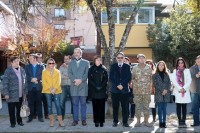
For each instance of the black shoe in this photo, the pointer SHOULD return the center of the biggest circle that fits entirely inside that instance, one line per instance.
(74, 123)
(164, 125)
(12, 125)
(160, 125)
(101, 124)
(34, 116)
(194, 125)
(96, 124)
(114, 124)
(84, 123)
(125, 125)
(29, 120)
(40, 120)
(21, 124)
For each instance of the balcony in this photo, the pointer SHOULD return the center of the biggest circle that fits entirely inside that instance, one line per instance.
(59, 18)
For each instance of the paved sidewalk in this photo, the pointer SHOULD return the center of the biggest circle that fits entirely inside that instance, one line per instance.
(37, 127)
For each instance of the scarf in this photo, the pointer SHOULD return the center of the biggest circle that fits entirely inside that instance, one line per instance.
(180, 78)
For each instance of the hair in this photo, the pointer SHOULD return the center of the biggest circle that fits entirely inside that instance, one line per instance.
(68, 56)
(151, 63)
(95, 58)
(127, 58)
(180, 58)
(12, 58)
(50, 59)
(120, 53)
(198, 57)
(165, 67)
(79, 50)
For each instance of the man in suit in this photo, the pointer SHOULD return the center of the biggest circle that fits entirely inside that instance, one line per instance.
(34, 75)
(78, 73)
(120, 76)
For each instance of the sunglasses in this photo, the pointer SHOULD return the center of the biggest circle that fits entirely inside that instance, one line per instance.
(120, 57)
(51, 63)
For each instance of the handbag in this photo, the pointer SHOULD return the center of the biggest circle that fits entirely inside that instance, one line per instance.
(25, 110)
(152, 103)
(0, 101)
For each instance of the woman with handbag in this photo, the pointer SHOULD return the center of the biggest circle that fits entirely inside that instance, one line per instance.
(97, 82)
(181, 79)
(51, 82)
(14, 89)
(162, 84)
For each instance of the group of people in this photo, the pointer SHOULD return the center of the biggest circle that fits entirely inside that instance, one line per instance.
(75, 78)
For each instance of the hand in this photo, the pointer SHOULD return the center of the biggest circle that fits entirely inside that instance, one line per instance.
(34, 80)
(53, 91)
(164, 92)
(77, 82)
(199, 73)
(120, 87)
(6, 97)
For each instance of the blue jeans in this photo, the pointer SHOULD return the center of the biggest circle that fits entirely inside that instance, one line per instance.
(196, 105)
(56, 99)
(192, 97)
(64, 94)
(75, 102)
(162, 111)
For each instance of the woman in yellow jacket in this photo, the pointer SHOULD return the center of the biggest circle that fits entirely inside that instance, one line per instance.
(51, 82)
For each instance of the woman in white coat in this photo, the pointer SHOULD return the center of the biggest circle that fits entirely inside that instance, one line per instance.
(181, 79)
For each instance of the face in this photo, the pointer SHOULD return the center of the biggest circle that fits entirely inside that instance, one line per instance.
(39, 60)
(77, 53)
(141, 60)
(180, 63)
(161, 66)
(67, 59)
(120, 58)
(126, 61)
(32, 59)
(198, 62)
(98, 62)
(51, 64)
(15, 63)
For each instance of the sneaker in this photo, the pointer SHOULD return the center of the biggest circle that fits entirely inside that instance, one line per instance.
(74, 123)
(84, 123)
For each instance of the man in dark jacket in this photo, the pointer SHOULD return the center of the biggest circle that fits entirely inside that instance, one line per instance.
(120, 76)
(195, 74)
(34, 75)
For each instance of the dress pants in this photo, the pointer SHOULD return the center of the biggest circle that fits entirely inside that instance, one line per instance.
(12, 113)
(98, 110)
(35, 96)
(117, 99)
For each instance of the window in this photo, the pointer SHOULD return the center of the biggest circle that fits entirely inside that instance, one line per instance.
(59, 12)
(104, 15)
(146, 15)
(59, 26)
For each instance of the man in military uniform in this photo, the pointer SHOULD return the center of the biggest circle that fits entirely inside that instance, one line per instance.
(141, 76)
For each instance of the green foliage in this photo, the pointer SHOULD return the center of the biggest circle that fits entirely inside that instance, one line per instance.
(67, 4)
(177, 36)
(194, 5)
(159, 38)
(66, 48)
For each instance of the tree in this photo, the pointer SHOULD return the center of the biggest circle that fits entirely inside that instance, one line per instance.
(194, 5)
(177, 36)
(46, 41)
(159, 39)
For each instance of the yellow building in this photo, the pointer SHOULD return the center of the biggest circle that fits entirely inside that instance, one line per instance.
(137, 41)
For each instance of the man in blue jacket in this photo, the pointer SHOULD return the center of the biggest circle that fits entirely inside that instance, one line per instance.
(34, 75)
(120, 76)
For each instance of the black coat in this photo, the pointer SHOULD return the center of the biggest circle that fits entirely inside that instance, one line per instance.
(97, 81)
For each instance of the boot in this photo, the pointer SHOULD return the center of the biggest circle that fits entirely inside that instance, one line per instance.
(51, 117)
(138, 122)
(147, 122)
(164, 124)
(60, 121)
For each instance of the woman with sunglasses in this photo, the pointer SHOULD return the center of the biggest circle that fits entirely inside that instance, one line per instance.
(51, 82)
(181, 79)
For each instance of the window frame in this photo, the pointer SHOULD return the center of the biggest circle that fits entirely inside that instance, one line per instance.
(136, 19)
(59, 25)
(59, 12)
